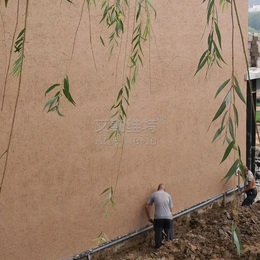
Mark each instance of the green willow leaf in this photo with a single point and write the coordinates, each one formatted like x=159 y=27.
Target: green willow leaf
x=119 y=103
x=70 y=1
x=119 y=94
x=115 y=114
x=210 y=41
x=104 y=14
x=202 y=56
x=138 y=12
x=241 y=164
x=238 y=91
x=218 y=53
x=227 y=152
x=51 y=88
x=17 y=66
x=149 y=3
x=201 y=65
x=222 y=87
x=123 y=111
x=21 y=33
x=228 y=98
x=104 y=191
x=102 y=40
x=228 y=140
x=220 y=111
x=58 y=111
x=103 y=4
x=111 y=135
x=219 y=131
x=218 y=64
x=218 y=33
x=127 y=92
x=237 y=242
x=50 y=102
x=112 y=203
x=134 y=76
x=118 y=6
x=6 y=2
x=210 y=7
x=127 y=101
x=140 y=60
x=223 y=119
x=105 y=203
x=66 y=90
x=231 y=128
x=231 y=171
x=106 y=213
x=236 y=114
x=66 y=84
x=135 y=38
x=239 y=239
x=236 y=81
x=128 y=83
x=111 y=51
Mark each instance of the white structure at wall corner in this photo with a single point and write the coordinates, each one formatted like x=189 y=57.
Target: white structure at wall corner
x=255 y=8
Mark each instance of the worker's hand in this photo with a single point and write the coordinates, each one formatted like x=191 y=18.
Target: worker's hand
x=150 y=220
x=239 y=193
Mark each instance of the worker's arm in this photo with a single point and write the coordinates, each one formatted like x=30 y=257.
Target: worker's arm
x=147 y=210
x=249 y=187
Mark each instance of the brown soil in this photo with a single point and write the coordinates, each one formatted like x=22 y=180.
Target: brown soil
x=204 y=236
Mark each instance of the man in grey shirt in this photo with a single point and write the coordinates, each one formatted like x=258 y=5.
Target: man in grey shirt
x=163 y=219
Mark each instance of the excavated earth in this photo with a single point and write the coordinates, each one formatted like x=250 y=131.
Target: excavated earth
x=204 y=236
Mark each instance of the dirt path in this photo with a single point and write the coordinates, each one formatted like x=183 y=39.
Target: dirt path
x=204 y=236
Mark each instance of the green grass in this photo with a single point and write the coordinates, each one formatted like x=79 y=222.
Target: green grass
x=257 y=116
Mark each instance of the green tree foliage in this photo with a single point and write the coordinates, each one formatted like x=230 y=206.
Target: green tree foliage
x=254 y=20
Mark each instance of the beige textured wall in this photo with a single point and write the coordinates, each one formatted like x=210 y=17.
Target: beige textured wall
x=50 y=205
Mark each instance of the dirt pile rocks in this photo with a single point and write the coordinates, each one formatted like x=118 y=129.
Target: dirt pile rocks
x=204 y=236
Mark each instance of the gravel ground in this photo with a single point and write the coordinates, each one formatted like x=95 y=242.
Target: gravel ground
x=204 y=236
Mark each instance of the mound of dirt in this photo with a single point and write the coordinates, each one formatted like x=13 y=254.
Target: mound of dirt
x=204 y=236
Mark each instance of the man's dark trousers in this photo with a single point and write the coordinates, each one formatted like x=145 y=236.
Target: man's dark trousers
x=159 y=226
x=250 y=197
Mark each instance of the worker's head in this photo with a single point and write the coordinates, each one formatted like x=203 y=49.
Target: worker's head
x=245 y=169
x=161 y=186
